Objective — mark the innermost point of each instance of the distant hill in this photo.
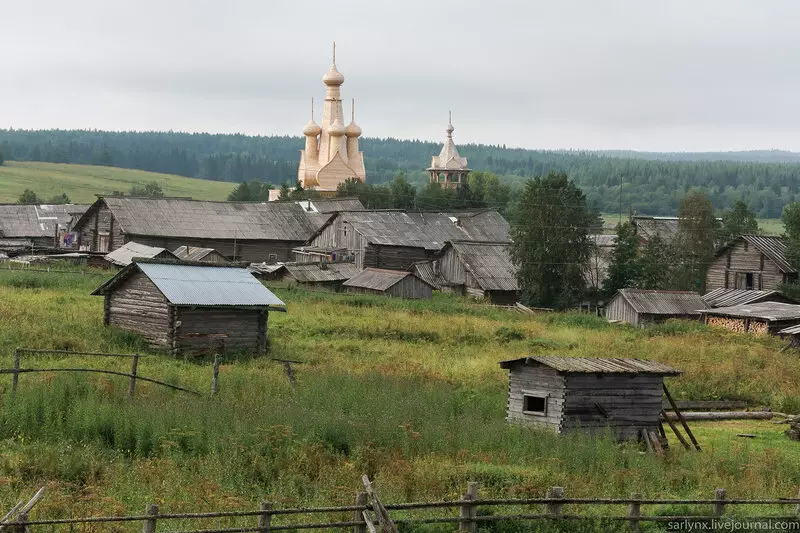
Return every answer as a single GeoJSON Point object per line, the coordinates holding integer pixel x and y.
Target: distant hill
{"type": "Point", "coordinates": [651, 182]}
{"type": "Point", "coordinates": [82, 182]}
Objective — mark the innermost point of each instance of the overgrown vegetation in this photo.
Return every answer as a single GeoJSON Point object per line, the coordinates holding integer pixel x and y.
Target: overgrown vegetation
{"type": "Point", "coordinates": [406, 391]}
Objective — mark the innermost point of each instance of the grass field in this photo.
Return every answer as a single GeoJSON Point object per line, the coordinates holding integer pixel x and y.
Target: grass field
{"type": "Point", "coordinates": [82, 182]}
{"type": "Point", "coordinates": [768, 226]}
{"type": "Point", "coordinates": [408, 392]}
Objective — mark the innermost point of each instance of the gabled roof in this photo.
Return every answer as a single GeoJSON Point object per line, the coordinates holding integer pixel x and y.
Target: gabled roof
{"type": "Point", "coordinates": [768, 311]}
{"type": "Point", "coordinates": [180, 217]}
{"type": "Point", "coordinates": [731, 297]}
{"type": "Point", "coordinates": [201, 286]}
{"type": "Point", "coordinates": [424, 270]}
{"type": "Point", "coordinates": [774, 248]}
{"type": "Point", "coordinates": [194, 253]}
{"type": "Point", "coordinates": [663, 302]}
{"type": "Point", "coordinates": [647, 227]}
{"type": "Point", "coordinates": [331, 205]}
{"type": "Point", "coordinates": [489, 263]}
{"type": "Point", "coordinates": [599, 365]}
{"type": "Point", "coordinates": [32, 221]}
{"type": "Point", "coordinates": [378, 279]}
{"type": "Point", "coordinates": [321, 272]}
{"type": "Point", "coordinates": [124, 255]}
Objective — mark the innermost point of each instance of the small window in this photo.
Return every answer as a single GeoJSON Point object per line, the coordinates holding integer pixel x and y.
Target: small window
{"type": "Point", "coordinates": [272, 257]}
{"type": "Point", "coordinates": [534, 404]}
{"type": "Point", "coordinates": [749, 281]}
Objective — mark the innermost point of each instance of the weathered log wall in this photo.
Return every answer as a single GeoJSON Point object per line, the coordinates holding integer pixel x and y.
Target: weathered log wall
{"type": "Point", "coordinates": [729, 270]}
{"type": "Point", "coordinates": [204, 330]}
{"type": "Point", "coordinates": [137, 305]}
{"type": "Point", "coordinates": [539, 381]}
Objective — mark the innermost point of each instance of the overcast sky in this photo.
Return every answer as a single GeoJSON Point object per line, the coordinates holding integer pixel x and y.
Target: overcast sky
{"type": "Point", "coordinates": [673, 75]}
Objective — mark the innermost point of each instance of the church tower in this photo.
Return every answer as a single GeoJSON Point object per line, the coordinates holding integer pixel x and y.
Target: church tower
{"type": "Point", "coordinates": [449, 169]}
{"type": "Point", "coordinates": [331, 153]}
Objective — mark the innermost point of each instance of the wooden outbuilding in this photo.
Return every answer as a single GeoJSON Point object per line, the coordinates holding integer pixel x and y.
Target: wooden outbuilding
{"type": "Point", "coordinates": [38, 226]}
{"type": "Point", "coordinates": [389, 283]}
{"type": "Point", "coordinates": [757, 319]}
{"type": "Point", "coordinates": [125, 254]}
{"type": "Point", "coordinates": [482, 270]}
{"type": "Point", "coordinates": [731, 297]}
{"type": "Point", "coordinates": [642, 307]}
{"type": "Point", "coordinates": [196, 254]}
{"type": "Point", "coordinates": [751, 262]}
{"type": "Point", "coordinates": [329, 276]}
{"type": "Point", "coordinates": [567, 394]}
{"type": "Point", "coordinates": [190, 309]}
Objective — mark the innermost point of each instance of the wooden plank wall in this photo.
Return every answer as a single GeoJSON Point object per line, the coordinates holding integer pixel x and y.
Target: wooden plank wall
{"type": "Point", "coordinates": [619, 309]}
{"type": "Point", "coordinates": [451, 267]}
{"type": "Point", "coordinates": [541, 380]}
{"type": "Point", "coordinates": [254, 251]}
{"type": "Point", "coordinates": [632, 402]}
{"type": "Point", "coordinates": [245, 330]}
{"type": "Point", "coordinates": [729, 269]}
{"type": "Point", "coordinates": [393, 257]}
{"type": "Point", "coordinates": [411, 287]}
{"type": "Point", "coordinates": [340, 234]}
{"type": "Point", "coordinates": [101, 221]}
{"type": "Point", "coordinates": [137, 305]}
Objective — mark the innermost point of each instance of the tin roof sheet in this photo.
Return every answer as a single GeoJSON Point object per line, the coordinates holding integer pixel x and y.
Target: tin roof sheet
{"type": "Point", "coordinates": [124, 255]}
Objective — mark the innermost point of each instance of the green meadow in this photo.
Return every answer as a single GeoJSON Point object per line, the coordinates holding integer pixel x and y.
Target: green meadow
{"type": "Point", "coordinates": [408, 392]}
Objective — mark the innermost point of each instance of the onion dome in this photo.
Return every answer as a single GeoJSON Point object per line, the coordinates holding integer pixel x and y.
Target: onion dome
{"type": "Point", "coordinates": [333, 77]}
{"type": "Point", "coordinates": [450, 129]}
{"type": "Point", "coordinates": [337, 128]}
{"type": "Point", "coordinates": [352, 129]}
{"type": "Point", "coordinates": [312, 129]}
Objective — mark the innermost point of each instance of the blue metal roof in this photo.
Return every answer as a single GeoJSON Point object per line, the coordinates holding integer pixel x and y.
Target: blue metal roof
{"type": "Point", "coordinates": [209, 285]}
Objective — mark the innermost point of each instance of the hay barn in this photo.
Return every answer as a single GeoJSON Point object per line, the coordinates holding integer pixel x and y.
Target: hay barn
{"type": "Point", "coordinates": [751, 262]}
{"type": "Point", "coordinates": [567, 394]}
{"type": "Point", "coordinates": [642, 307]}
{"type": "Point", "coordinates": [190, 309]}
{"type": "Point", "coordinates": [757, 319]}
{"type": "Point", "coordinates": [388, 283]}
{"type": "Point", "coordinates": [482, 269]}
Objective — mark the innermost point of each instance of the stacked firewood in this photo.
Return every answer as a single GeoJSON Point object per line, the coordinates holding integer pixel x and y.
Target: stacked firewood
{"type": "Point", "coordinates": [733, 324]}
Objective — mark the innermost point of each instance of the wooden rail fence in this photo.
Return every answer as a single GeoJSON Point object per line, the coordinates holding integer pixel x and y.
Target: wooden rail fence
{"type": "Point", "coordinates": [368, 514]}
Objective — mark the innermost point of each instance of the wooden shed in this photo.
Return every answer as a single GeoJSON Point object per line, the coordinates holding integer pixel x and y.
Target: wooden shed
{"type": "Point", "coordinates": [757, 319]}
{"type": "Point", "coordinates": [197, 254]}
{"type": "Point", "coordinates": [483, 269]}
{"type": "Point", "coordinates": [389, 283]}
{"type": "Point", "coordinates": [190, 309]}
{"type": "Point", "coordinates": [328, 276]}
{"type": "Point", "coordinates": [751, 262]}
{"type": "Point", "coordinates": [125, 254]}
{"type": "Point", "coordinates": [642, 307]}
{"type": "Point", "coordinates": [567, 394]}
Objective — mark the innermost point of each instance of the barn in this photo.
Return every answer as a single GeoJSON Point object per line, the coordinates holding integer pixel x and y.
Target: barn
{"type": "Point", "coordinates": [190, 309]}
{"type": "Point", "coordinates": [751, 262]}
{"type": "Point", "coordinates": [482, 269]}
{"type": "Point", "coordinates": [641, 307]}
{"type": "Point", "coordinates": [567, 394]}
{"type": "Point", "coordinates": [241, 231]}
{"type": "Point", "coordinates": [389, 283]}
{"type": "Point", "coordinates": [125, 254]}
{"type": "Point", "coordinates": [757, 319]}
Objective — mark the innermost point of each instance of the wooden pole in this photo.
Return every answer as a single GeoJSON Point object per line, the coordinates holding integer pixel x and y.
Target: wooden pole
{"type": "Point", "coordinates": [358, 515]}
{"type": "Point", "coordinates": [150, 523]}
{"type": "Point", "coordinates": [468, 510]}
{"type": "Point", "coordinates": [797, 508]}
{"type": "Point", "coordinates": [680, 417]}
{"type": "Point", "coordinates": [675, 430]}
{"type": "Point", "coordinates": [719, 506]}
{"type": "Point", "coordinates": [635, 512]}
{"type": "Point", "coordinates": [265, 518]}
{"type": "Point", "coordinates": [15, 376]}
{"type": "Point", "coordinates": [215, 377]}
{"type": "Point", "coordinates": [555, 493]}
{"type": "Point", "coordinates": [22, 519]}
{"type": "Point", "coordinates": [132, 384]}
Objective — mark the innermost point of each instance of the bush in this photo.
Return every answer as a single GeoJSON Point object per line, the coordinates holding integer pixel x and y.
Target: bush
{"type": "Point", "coordinates": [506, 334]}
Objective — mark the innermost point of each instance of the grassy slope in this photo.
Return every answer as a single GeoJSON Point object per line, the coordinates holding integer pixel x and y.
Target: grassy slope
{"type": "Point", "coordinates": [83, 182]}
{"type": "Point", "coordinates": [409, 392]}
{"type": "Point", "coordinates": [768, 226]}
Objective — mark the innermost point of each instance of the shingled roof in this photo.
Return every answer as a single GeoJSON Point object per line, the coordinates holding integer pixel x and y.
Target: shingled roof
{"type": "Point", "coordinates": [180, 217]}
{"type": "Point", "coordinates": [32, 221]}
{"type": "Point", "coordinates": [489, 263]}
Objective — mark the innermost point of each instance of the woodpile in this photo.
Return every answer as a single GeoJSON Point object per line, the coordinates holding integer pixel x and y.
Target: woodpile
{"type": "Point", "coordinates": [733, 324]}
{"type": "Point", "coordinates": [758, 328]}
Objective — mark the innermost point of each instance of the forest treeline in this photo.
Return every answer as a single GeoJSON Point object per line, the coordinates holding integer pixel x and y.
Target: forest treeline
{"type": "Point", "coordinates": [651, 183]}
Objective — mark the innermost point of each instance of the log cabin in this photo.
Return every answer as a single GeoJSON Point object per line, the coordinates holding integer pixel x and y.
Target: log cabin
{"type": "Point", "coordinates": [241, 231]}
{"type": "Point", "coordinates": [568, 394]}
{"type": "Point", "coordinates": [751, 262]}
{"type": "Point", "coordinates": [190, 309]}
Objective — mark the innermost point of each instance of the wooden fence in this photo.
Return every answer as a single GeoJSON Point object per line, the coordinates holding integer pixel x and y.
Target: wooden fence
{"type": "Point", "coordinates": [368, 514]}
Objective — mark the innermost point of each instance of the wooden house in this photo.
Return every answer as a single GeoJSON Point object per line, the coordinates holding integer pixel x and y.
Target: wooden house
{"type": "Point", "coordinates": [388, 283]}
{"type": "Point", "coordinates": [757, 318]}
{"type": "Point", "coordinates": [241, 231]}
{"type": "Point", "coordinates": [429, 272]}
{"type": "Point", "coordinates": [125, 254]}
{"type": "Point", "coordinates": [195, 254]}
{"type": "Point", "coordinates": [567, 394]}
{"type": "Point", "coordinates": [751, 262]}
{"type": "Point", "coordinates": [37, 226]}
{"type": "Point", "coordinates": [190, 309]}
{"type": "Point", "coordinates": [647, 227]}
{"type": "Point", "coordinates": [596, 270]}
{"type": "Point", "coordinates": [731, 297]}
{"type": "Point", "coordinates": [397, 239]}
{"type": "Point", "coordinates": [482, 269]}
{"type": "Point", "coordinates": [642, 307]}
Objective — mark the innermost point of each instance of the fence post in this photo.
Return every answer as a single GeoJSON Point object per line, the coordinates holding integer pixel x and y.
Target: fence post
{"type": "Point", "coordinates": [719, 506]}
{"type": "Point", "coordinates": [358, 515]}
{"type": "Point", "coordinates": [555, 493]}
{"type": "Point", "coordinates": [215, 377]}
{"type": "Point", "coordinates": [132, 385]}
{"type": "Point", "coordinates": [797, 508]}
{"type": "Point", "coordinates": [150, 523]}
{"type": "Point", "coordinates": [635, 511]}
{"type": "Point", "coordinates": [22, 519]}
{"type": "Point", "coordinates": [468, 510]}
{"type": "Point", "coordinates": [15, 375]}
{"type": "Point", "coordinates": [265, 518]}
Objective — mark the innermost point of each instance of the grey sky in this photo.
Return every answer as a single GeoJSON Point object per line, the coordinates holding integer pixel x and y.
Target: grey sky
{"type": "Point", "coordinates": [640, 74]}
